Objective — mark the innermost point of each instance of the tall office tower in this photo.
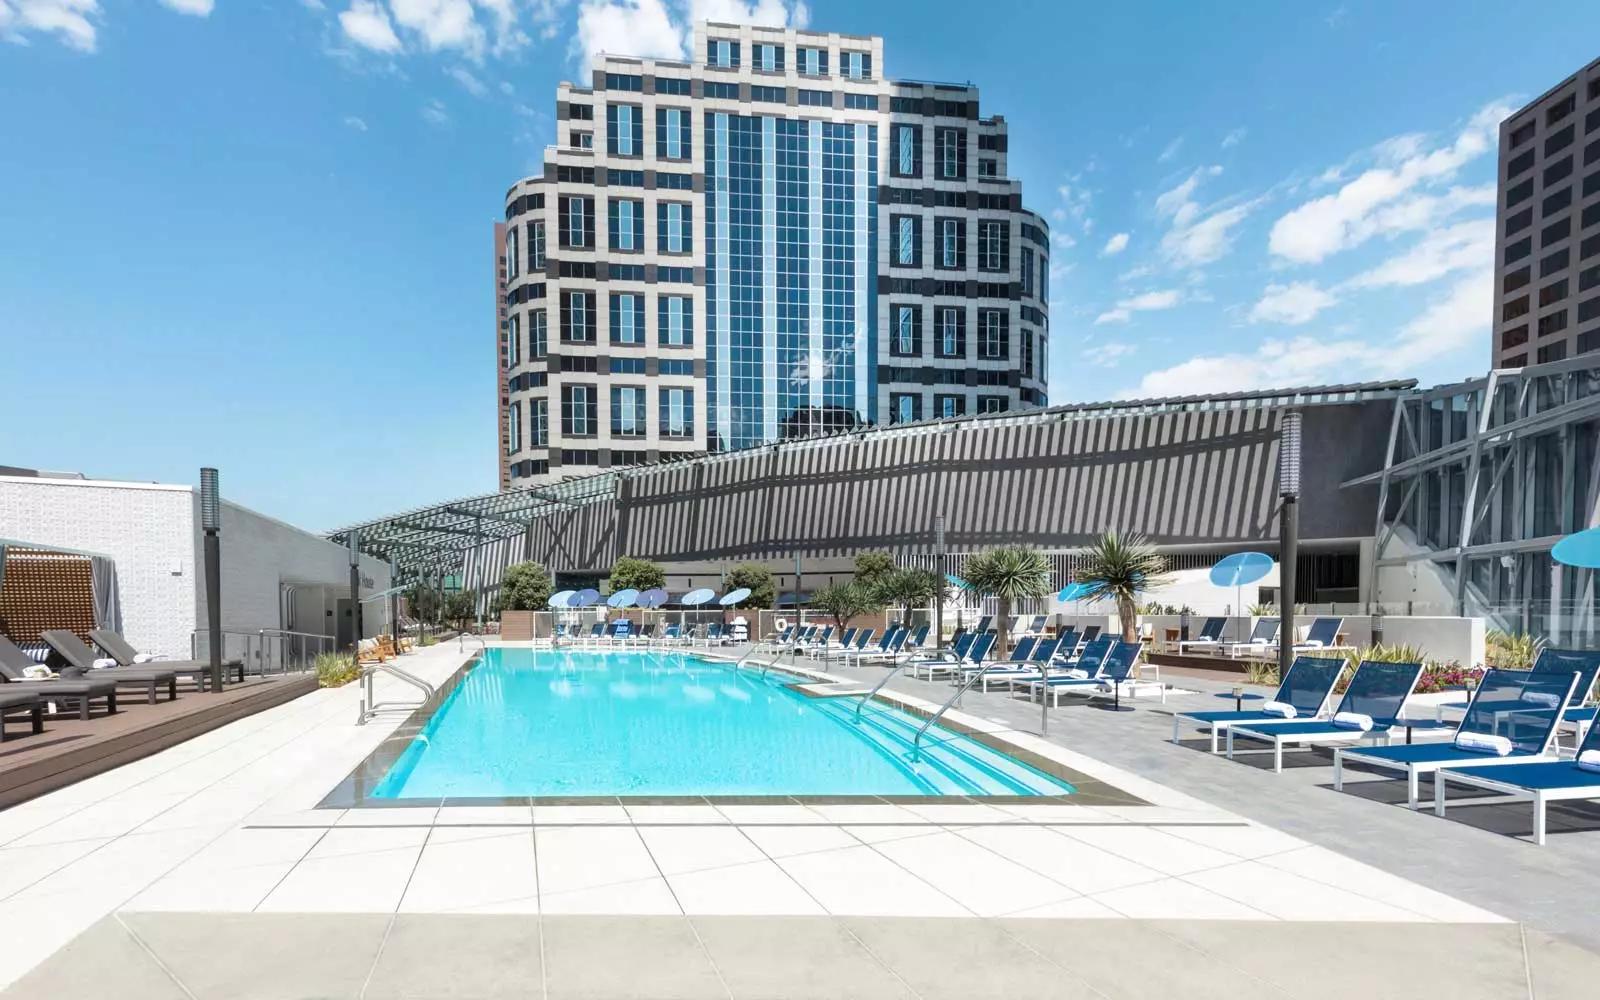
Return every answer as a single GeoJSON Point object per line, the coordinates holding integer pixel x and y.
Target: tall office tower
{"type": "Point", "coordinates": [1547, 248]}
{"type": "Point", "coordinates": [510, 428]}
{"type": "Point", "coordinates": [767, 242]}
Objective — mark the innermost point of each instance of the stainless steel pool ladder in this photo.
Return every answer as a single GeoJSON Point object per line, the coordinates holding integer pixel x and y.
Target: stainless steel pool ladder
{"type": "Point", "coordinates": [370, 707]}
{"type": "Point", "coordinates": [461, 641]}
{"type": "Point", "coordinates": [893, 669]}
{"type": "Point", "coordinates": [794, 651]}
{"type": "Point", "coordinates": [916, 741]}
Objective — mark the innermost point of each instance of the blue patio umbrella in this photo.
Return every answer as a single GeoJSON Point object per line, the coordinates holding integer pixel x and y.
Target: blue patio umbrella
{"type": "Point", "coordinates": [1239, 569]}
{"type": "Point", "coordinates": [560, 600]}
{"type": "Point", "coordinates": [1581, 549]}
{"type": "Point", "coordinates": [956, 580]}
{"type": "Point", "coordinates": [695, 598]}
{"type": "Point", "coordinates": [1074, 592]}
{"type": "Point", "coordinates": [733, 597]}
{"type": "Point", "coordinates": [625, 598]}
{"type": "Point", "coordinates": [584, 598]}
{"type": "Point", "coordinates": [652, 598]}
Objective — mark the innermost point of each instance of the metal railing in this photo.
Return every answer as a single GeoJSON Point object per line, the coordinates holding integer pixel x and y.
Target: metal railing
{"type": "Point", "coordinates": [265, 651]}
{"type": "Point", "coordinates": [370, 706]}
{"type": "Point", "coordinates": [870, 695]}
{"type": "Point", "coordinates": [916, 741]}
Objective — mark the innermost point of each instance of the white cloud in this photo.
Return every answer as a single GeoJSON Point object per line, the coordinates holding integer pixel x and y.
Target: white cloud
{"type": "Point", "coordinates": [470, 83]}
{"type": "Point", "coordinates": [1198, 235]}
{"type": "Point", "coordinates": [1115, 245]}
{"type": "Point", "coordinates": [196, 8]}
{"type": "Point", "coordinates": [1171, 150]}
{"type": "Point", "coordinates": [367, 24]}
{"type": "Point", "coordinates": [434, 113]}
{"type": "Point", "coordinates": [1295, 304]}
{"type": "Point", "coordinates": [441, 24]}
{"type": "Point", "coordinates": [1063, 240]}
{"type": "Point", "coordinates": [356, 123]}
{"type": "Point", "coordinates": [1459, 247]}
{"type": "Point", "coordinates": [1233, 138]}
{"type": "Point", "coordinates": [651, 28]}
{"type": "Point", "coordinates": [507, 89]}
{"type": "Point", "coordinates": [1107, 355]}
{"type": "Point", "coordinates": [1148, 302]}
{"type": "Point", "coordinates": [71, 20]}
{"type": "Point", "coordinates": [1385, 199]}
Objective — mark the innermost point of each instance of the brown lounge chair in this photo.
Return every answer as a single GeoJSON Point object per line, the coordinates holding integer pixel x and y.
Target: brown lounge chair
{"type": "Point", "coordinates": [13, 703]}
{"type": "Point", "coordinates": [13, 661]}
{"type": "Point", "coordinates": [81, 658]}
{"type": "Point", "coordinates": [121, 650]}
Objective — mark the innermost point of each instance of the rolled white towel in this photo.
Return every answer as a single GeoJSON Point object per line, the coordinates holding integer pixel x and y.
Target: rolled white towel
{"type": "Point", "coordinates": [1589, 760]}
{"type": "Point", "coordinates": [1312, 644]}
{"type": "Point", "coordinates": [104, 663]}
{"type": "Point", "coordinates": [1077, 674]}
{"type": "Point", "coordinates": [1353, 720]}
{"type": "Point", "coordinates": [1279, 708]}
{"type": "Point", "coordinates": [38, 672]}
{"type": "Point", "coordinates": [147, 657]}
{"type": "Point", "coordinates": [1484, 743]}
{"type": "Point", "coordinates": [1545, 699]}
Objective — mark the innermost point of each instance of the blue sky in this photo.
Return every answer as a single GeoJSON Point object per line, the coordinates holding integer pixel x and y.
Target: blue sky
{"type": "Point", "coordinates": [258, 235]}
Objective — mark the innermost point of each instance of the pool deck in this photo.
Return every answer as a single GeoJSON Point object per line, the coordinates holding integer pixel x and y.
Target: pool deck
{"type": "Point", "coordinates": [206, 870]}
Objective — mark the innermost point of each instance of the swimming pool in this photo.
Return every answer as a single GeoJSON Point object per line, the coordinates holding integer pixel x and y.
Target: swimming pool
{"type": "Point", "coordinates": [659, 723]}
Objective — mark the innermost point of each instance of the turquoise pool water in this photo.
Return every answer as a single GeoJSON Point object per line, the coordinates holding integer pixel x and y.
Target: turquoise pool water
{"type": "Point", "coordinates": [647, 722]}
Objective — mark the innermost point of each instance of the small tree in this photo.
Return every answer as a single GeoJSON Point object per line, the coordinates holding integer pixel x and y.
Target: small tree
{"type": "Point", "coordinates": [910, 588]}
{"type": "Point", "coordinates": [872, 567]}
{"type": "Point", "coordinates": [525, 586]}
{"type": "Point", "coordinates": [1121, 567]}
{"type": "Point", "coordinates": [461, 606]}
{"type": "Point", "coordinates": [1011, 575]}
{"type": "Point", "coordinates": [422, 602]}
{"type": "Point", "coordinates": [763, 587]}
{"type": "Point", "coordinates": [843, 601]}
{"type": "Point", "coordinates": [637, 574]}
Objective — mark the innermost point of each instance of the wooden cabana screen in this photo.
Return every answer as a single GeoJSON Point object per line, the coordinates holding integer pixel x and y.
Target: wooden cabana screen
{"type": "Point", "coordinates": [41, 590]}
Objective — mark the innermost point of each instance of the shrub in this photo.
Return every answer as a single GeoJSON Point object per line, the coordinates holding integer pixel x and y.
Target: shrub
{"type": "Point", "coordinates": [525, 586]}
{"type": "Point", "coordinates": [428, 640]}
{"type": "Point", "coordinates": [1512, 650]}
{"type": "Point", "coordinates": [637, 574]}
{"type": "Point", "coordinates": [336, 669]}
{"type": "Point", "coordinates": [757, 577]}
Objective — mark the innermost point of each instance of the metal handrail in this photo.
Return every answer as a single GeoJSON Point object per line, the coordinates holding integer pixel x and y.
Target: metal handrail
{"type": "Point", "coordinates": [916, 741]}
{"type": "Point", "coordinates": [461, 641]}
{"type": "Point", "coordinates": [371, 707]}
{"type": "Point", "coordinates": [875, 688]}
{"type": "Point", "coordinates": [794, 651]}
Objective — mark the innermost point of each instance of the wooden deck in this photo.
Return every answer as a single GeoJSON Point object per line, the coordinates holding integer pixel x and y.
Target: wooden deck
{"type": "Point", "coordinates": [70, 750]}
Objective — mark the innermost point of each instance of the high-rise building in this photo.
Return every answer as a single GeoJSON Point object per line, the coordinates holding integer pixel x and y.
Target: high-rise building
{"type": "Point", "coordinates": [769, 241]}
{"type": "Point", "coordinates": [1547, 245]}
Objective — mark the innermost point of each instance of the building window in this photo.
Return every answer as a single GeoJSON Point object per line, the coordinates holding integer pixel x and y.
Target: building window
{"type": "Point", "coordinates": [952, 244]}
{"type": "Point", "coordinates": [539, 423]}
{"type": "Point", "coordinates": [1522, 133]}
{"type": "Point", "coordinates": [948, 406]}
{"type": "Point", "coordinates": [1514, 337]}
{"type": "Point", "coordinates": [512, 260]}
{"type": "Point", "coordinates": [1027, 271]}
{"type": "Point", "coordinates": [907, 231]}
{"type": "Point", "coordinates": [856, 65]}
{"type": "Point", "coordinates": [514, 341]}
{"type": "Point", "coordinates": [577, 317]}
{"type": "Point", "coordinates": [1553, 323]}
{"type": "Point", "coordinates": [580, 140]}
{"type": "Point", "coordinates": [815, 98]}
{"type": "Point", "coordinates": [994, 245]}
{"type": "Point", "coordinates": [1026, 341]}
{"type": "Point", "coordinates": [624, 130]}
{"type": "Point", "coordinates": [1044, 278]}
{"type": "Point", "coordinates": [952, 332]}
{"type": "Point", "coordinates": [1553, 352]}
{"type": "Point", "coordinates": [1555, 232]}
{"type": "Point", "coordinates": [1516, 307]}
{"type": "Point", "coordinates": [769, 95]}
{"type": "Point", "coordinates": [538, 334]}
{"type": "Point", "coordinates": [906, 326]}
{"type": "Point", "coordinates": [994, 336]}
{"type": "Point", "coordinates": [677, 413]}
{"type": "Point", "coordinates": [577, 222]}
{"type": "Point", "coordinates": [988, 167]}
{"type": "Point", "coordinates": [627, 411]}
{"type": "Point", "coordinates": [578, 411]}
{"type": "Point", "coordinates": [768, 57]}
{"type": "Point", "coordinates": [905, 406]}
{"type": "Point", "coordinates": [676, 321]}
{"type": "Point", "coordinates": [514, 429]}
{"type": "Point", "coordinates": [861, 102]}
{"type": "Point", "coordinates": [627, 318]}
{"type": "Point", "coordinates": [950, 153]}
{"type": "Point", "coordinates": [674, 222]}
{"type": "Point", "coordinates": [722, 53]}
{"type": "Point", "coordinates": [993, 404]}
{"type": "Point", "coordinates": [811, 62]}
{"type": "Point", "coordinates": [536, 246]}
{"type": "Point", "coordinates": [626, 228]}
{"type": "Point", "coordinates": [907, 150]}
{"type": "Point", "coordinates": [673, 141]}
{"type": "Point", "coordinates": [1552, 293]}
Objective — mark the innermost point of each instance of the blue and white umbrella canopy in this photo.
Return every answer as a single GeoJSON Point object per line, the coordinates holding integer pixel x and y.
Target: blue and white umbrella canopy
{"type": "Point", "coordinates": [1581, 549]}
{"type": "Point", "coordinates": [698, 597]}
{"type": "Point", "coordinates": [625, 598]}
{"type": "Point", "coordinates": [733, 597]}
{"type": "Point", "coordinates": [584, 598]}
{"type": "Point", "coordinates": [652, 598]}
{"type": "Point", "coordinates": [956, 580]}
{"type": "Point", "coordinates": [1074, 592]}
{"type": "Point", "coordinates": [1240, 569]}
{"type": "Point", "coordinates": [560, 600]}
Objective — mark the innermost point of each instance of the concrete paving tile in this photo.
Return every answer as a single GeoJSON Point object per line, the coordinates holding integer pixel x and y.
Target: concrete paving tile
{"type": "Point", "coordinates": [103, 961]}
{"type": "Point", "coordinates": [964, 960]}
{"type": "Point", "coordinates": [288, 957]}
{"type": "Point", "coordinates": [758, 889]}
{"type": "Point", "coordinates": [984, 882]}
{"type": "Point", "coordinates": [459, 957]}
{"type": "Point", "coordinates": [1559, 969]}
{"type": "Point", "coordinates": [859, 880]}
{"type": "Point", "coordinates": [475, 868]}
{"type": "Point", "coordinates": [681, 849]}
{"type": "Point", "coordinates": [786, 841]}
{"type": "Point", "coordinates": [620, 958]}
{"type": "Point", "coordinates": [644, 897]}
{"type": "Point", "coordinates": [780, 958]}
{"type": "Point", "coordinates": [1289, 897]}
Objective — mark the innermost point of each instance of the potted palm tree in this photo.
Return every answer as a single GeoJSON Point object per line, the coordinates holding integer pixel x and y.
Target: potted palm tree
{"type": "Point", "coordinates": [1009, 575]}
{"type": "Point", "coordinates": [1121, 567]}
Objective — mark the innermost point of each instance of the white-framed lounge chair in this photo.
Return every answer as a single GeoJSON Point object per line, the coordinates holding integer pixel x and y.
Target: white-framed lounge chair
{"type": "Point", "coordinates": [1540, 782]}
{"type": "Point", "coordinates": [863, 637]}
{"type": "Point", "coordinates": [1021, 653]}
{"type": "Point", "coordinates": [974, 655]}
{"type": "Point", "coordinates": [890, 650]}
{"type": "Point", "coordinates": [1368, 710]}
{"type": "Point", "coordinates": [915, 640]}
{"type": "Point", "coordinates": [1323, 634]}
{"type": "Point", "coordinates": [1304, 691]}
{"type": "Point", "coordinates": [1026, 668]}
{"type": "Point", "coordinates": [1512, 720]}
{"type": "Point", "coordinates": [1263, 639]}
{"type": "Point", "coordinates": [1113, 671]}
{"type": "Point", "coordinates": [1210, 635]}
{"type": "Point", "coordinates": [1584, 662]}
{"type": "Point", "coordinates": [957, 650]}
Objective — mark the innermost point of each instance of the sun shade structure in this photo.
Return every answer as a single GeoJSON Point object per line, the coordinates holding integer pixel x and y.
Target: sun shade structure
{"type": "Point", "coordinates": [1241, 568]}
{"type": "Point", "coordinates": [1581, 550]}
{"type": "Point", "coordinates": [1071, 592]}
{"type": "Point", "coordinates": [733, 597]}
{"type": "Point", "coordinates": [652, 598]}
{"type": "Point", "coordinates": [584, 599]}
{"type": "Point", "coordinates": [694, 598]}
{"type": "Point", "coordinates": [623, 598]}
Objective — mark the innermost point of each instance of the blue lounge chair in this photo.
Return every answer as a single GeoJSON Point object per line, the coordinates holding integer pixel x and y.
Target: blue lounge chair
{"type": "Point", "coordinates": [1263, 638]}
{"type": "Point", "coordinates": [889, 649]}
{"type": "Point", "coordinates": [957, 650]}
{"type": "Point", "coordinates": [824, 646]}
{"type": "Point", "coordinates": [1111, 671]}
{"type": "Point", "coordinates": [1091, 633]}
{"type": "Point", "coordinates": [1210, 635]}
{"type": "Point", "coordinates": [863, 636]}
{"type": "Point", "coordinates": [1323, 634]}
{"type": "Point", "coordinates": [917, 638]}
{"type": "Point", "coordinates": [1021, 652]}
{"type": "Point", "coordinates": [1541, 782]}
{"type": "Point", "coordinates": [1586, 663]}
{"type": "Point", "coordinates": [1305, 687]}
{"type": "Point", "coordinates": [671, 634]}
{"type": "Point", "coordinates": [1023, 668]}
{"type": "Point", "coordinates": [1376, 694]}
{"type": "Point", "coordinates": [976, 653]}
{"type": "Point", "coordinates": [620, 630]}
{"type": "Point", "coordinates": [1518, 707]}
